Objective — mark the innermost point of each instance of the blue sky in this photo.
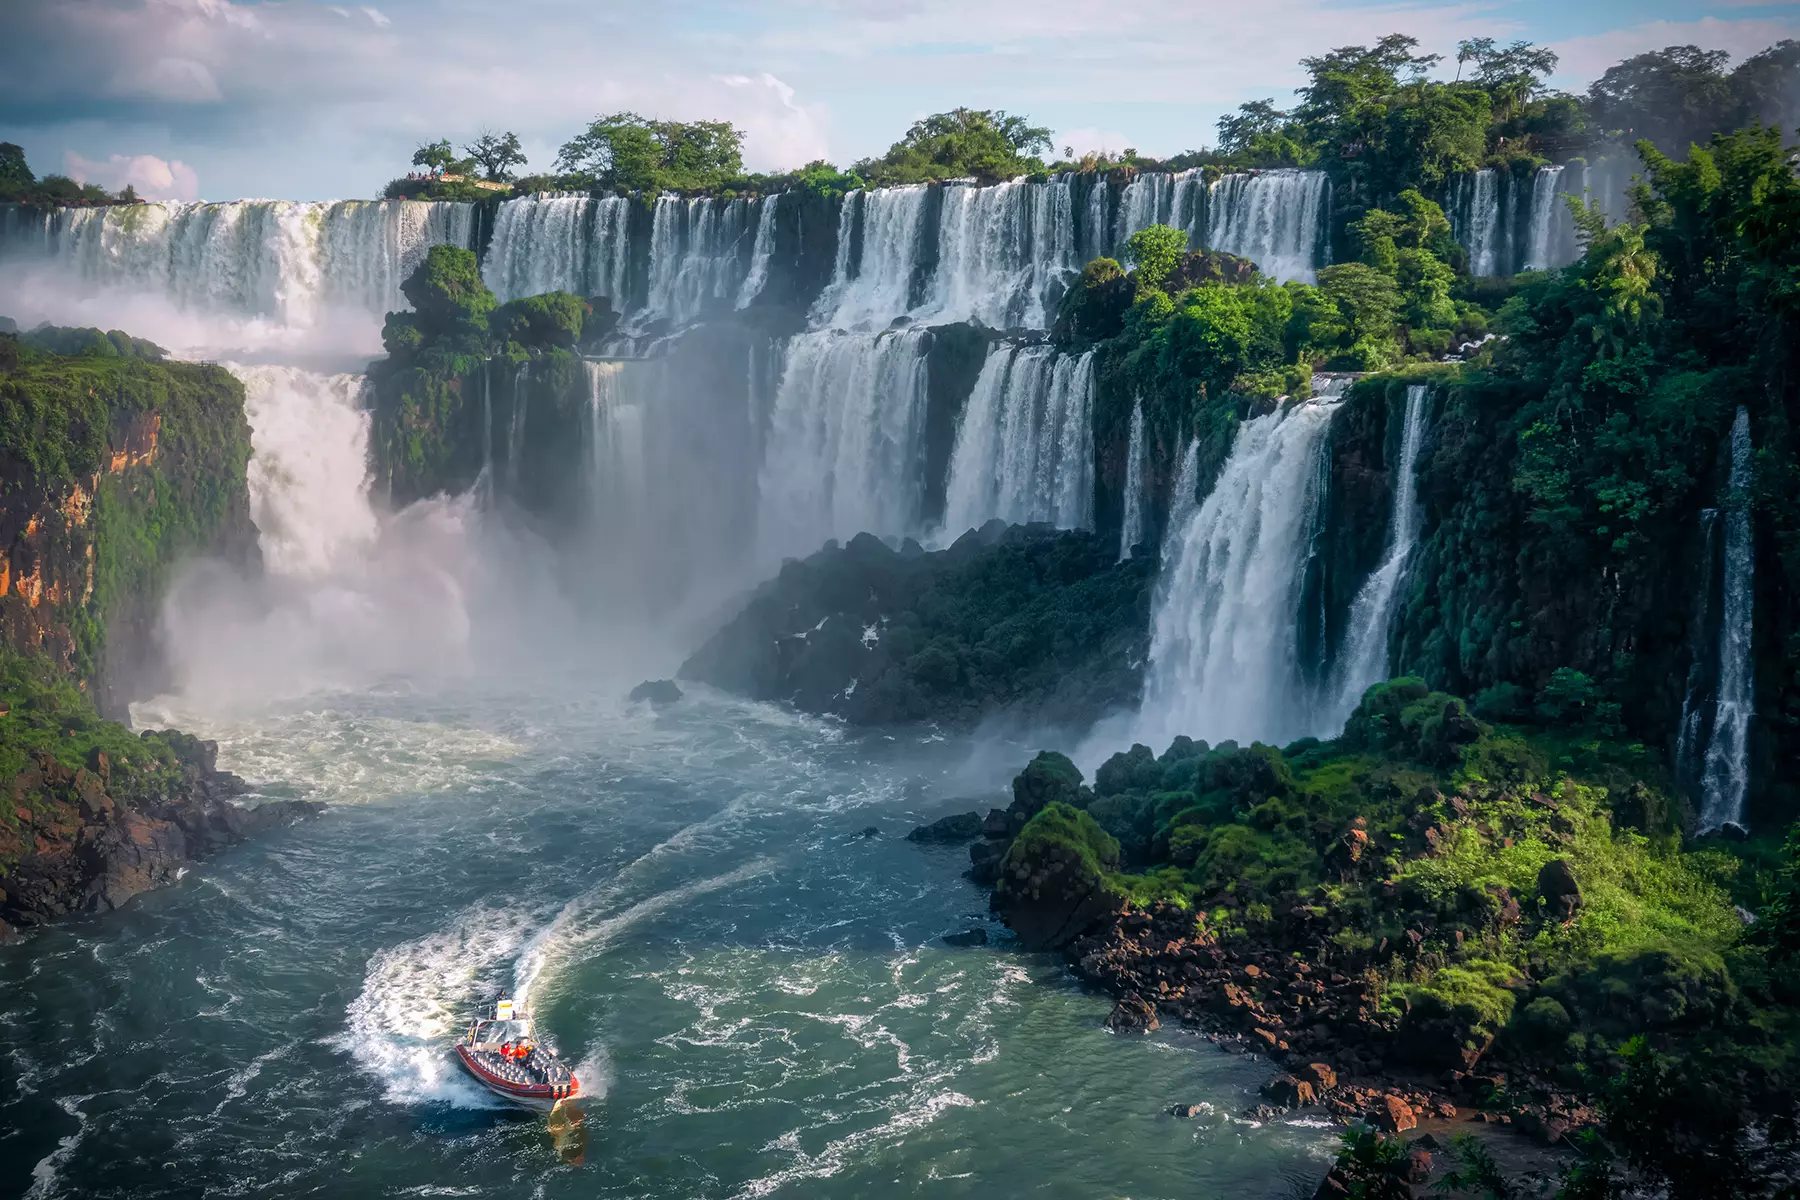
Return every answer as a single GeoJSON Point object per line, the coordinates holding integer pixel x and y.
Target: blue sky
{"type": "Point", "coordinates": [217, 99]}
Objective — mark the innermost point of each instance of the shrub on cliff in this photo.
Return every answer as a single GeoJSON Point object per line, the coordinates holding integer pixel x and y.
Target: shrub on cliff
{"type": "Point", "coordinates": [448, 295]}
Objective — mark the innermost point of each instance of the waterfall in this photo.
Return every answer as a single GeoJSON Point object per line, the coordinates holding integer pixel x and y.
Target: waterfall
{"type": "Point", "coordinates": [845, 451]}
{"type": "Point", "coordinates": [616, 446]}
{"type": "Point", "coordinates": [308, 473]}
{"type": "Point", "coordinates": [1146, 201]}
{"type": "Point", "coordinates": [1274, 218]}
{"type": "Point", "coordinates": [1024, 451]}
{"type": "Point", "coordinates": [1131, 528]}
{"type": "Point", "coordinates": [552, 243]}
{"type": "Point", "coordinates": [515, 437]}
{"type": "Point", "coordinates": [1098, 242]}
{"type": "Point", "coordinates": [1726, 772]}
{"type": "Point", "coordinates": [1364, 658]}
{"type": "Point", "coordinates": [1182, 501]}
{"type": "Point", "coordinates": [875, 286]}
{"type": "Point", "coordinates": [274, 259]}
{"type": "Point", "coordinates": [1224, 651]}
{"type": "Point", "coordinates": [696, 255]}
{"type": "Point", "coordinates": [1005, 253]}
{"type": "Point", "coordinates": [761, 252]}
{"type": "Point", "coordinates": [1476, 219]}
{"type": "Point", "coordinates": [487, 434]}
{"type": "Point", "coordinates": [1545, 205]}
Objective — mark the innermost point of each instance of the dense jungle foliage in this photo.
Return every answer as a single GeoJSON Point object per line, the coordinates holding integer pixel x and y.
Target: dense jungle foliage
{"type": "Point", "coordinates": [1516, 896]}
{"type": "Point", "coordinates": [459, 366]}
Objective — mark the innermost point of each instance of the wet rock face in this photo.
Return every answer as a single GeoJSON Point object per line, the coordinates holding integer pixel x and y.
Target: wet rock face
{"type": "Point", "coordinates": [83, 845]}
{"type": "Point", "coordinates": [1024, 621]}
{"type": "Point", "coordinates": [657, 692]}
{"type": "Point", "coordinates": [958, 827]}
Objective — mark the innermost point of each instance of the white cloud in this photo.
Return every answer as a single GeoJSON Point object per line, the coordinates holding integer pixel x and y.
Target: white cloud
{"type": "Point", "coordinates": [778, 133]}
{"type": "Point", "coordinates": [380, 18]}
{"type": "Point", "coordinates": [153, 177]}
{"type": "Point", "coordinates": [1585, 59]}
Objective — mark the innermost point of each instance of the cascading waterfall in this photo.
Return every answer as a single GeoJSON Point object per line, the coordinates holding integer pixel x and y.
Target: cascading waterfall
{"type": "Point", "coordinates": [1131, 528]}
{"type": "Point", "coordinates": [273, 259]}
{"type": "Point", "coordinates": [1545, 207]}
{"type": "Point", "coordinates": [550, 243]}
{"type": "Point", "coordinates": [1725, 778]}
{"type": "Point", "coordinates": [1025, 448]}
{"type": "Point", "coordinates": [1004, 253]}
{"type": "Point", "coordinates": [696, 255]}
{"type": "Point", "coordinates": [761, 251]}
{"type": "Point", "coordinates": [1274, 218]}
{"type": "Point", "coordinates": [845, 451]}
{"type": "Point", "coordinates": [515, 437]}
{"type": "Point", "coordinates": [1363, 660]}
{"type": "Point", "coordinates": [616, 446]}
{"type": "Point", "coordinates": [1224, 659]}
{"type": "Point", "coordinates": [877, 285]}
{"type": "Point", "coordinates": [1477, 221]}
{"type": "Point", "coordinates": [308, 476]}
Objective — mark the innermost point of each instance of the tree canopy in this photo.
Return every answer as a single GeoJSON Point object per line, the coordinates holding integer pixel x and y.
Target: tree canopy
{"type": "Point", "coordinates": [986, 144]}
{"type": "Point", "coordinates": [637, 153]}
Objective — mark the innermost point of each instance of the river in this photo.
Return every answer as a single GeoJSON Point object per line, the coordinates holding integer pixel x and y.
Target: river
{"type": "Point", "coordinates": [751, 985]}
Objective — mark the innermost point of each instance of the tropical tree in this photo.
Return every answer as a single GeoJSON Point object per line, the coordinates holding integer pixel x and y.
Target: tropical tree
{"type": "Point", "coordinates": [497, 154]}
{"type": "Point", "coordinates": [626, 150]}
{"type": "Point", "coordinates": [435, 156]}
{"type": "Point", "coordinates": [988, 144]}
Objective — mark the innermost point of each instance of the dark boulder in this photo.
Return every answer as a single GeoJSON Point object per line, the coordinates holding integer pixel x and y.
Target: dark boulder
{"type": "Point", "coordinates": [1052, 885]}
{"type": "Point", "coordinates": [968, 937]}
{"type": "Point", "coordinates": [655, 691]}
{"type": "Point", "coordinates": [1560, 891]}
{"type": "Point", "coordinates": [958, 827]}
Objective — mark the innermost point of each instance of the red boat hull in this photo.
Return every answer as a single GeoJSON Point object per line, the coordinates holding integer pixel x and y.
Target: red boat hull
{"type": "Point", "coordinates": [529, 1095]}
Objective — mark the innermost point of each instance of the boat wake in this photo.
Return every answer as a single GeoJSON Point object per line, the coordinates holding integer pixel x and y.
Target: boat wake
{"type": "Point", "coordinates": [415, 1001]}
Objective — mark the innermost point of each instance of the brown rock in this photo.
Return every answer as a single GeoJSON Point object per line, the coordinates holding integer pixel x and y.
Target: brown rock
{"type": "Point", "coordinates": [1320, 1075]}
{"type": "Point", "coordinates": [1394, 1114]}
{"type": "Point", "coordinates": [1132, 1014]}
{"type": "Point", "coordinates": [1289, 1091]}
{"type": "Point", "coordinates": [1418, 1166]}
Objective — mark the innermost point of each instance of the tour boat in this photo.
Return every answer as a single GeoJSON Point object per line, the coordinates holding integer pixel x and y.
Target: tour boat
{"type": "Point", "coordinates": [502, 1051]}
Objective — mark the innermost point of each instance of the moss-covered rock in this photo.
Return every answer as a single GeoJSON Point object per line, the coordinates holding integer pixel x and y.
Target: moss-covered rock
{"type": "Point", "coordinates": [1053, 884]}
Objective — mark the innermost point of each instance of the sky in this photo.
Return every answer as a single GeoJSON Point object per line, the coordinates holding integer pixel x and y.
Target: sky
{"type": "Point", "coordinates": [221, 99]}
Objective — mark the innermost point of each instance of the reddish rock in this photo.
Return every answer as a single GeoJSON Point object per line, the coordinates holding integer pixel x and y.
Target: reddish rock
{"type": "Point", "coordinates": [1395, 1115]}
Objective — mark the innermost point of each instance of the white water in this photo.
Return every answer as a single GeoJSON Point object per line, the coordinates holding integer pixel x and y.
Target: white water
{"type": "Point", "coordinates": [1364, 658]}
{"type": "Point", "coordinates": [1274, 218]}
{"type": "Point", "coordinates": [871, 289]}
{"type": "Point", "coordinates": [1004, 254]}
{"type": "Point", "coordinates": [616, 447]}
{"type": "Point", "coordinates": [1223, 651]}
{"type": "Point", "coordinates": [845, 452]}
{"type": "Point", "coordinates": [349, 595]}
{"type": "Point", "coordinates": [1131, 527]}
{"type": "Point", "coordinates": [696, 255]}
{"type": "Point", "coordinates": [761, 251]}
{"type": "Point", "coordinates": [283, 261]}
{"type": "Point", "coordinates": [1544, 211]}
{"type": "Point", "coordinates": [554, 243]}
{"type": "Point", "coordinates": [308, 476]}
{"type": "Point", "coordinates": [1726, 773]}
{"type": "Point", "coordinates": [1024, 451]}
{"type": "Point", "coordinates": [1475, 210]}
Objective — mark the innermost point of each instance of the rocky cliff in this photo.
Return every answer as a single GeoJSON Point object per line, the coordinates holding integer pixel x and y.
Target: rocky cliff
{"type": "Point", "coordinates": [113, 469]}
{"type": "Point", "coordinates": [1028, 621]}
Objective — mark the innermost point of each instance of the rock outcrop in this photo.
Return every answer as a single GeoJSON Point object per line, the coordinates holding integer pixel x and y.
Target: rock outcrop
{"type": "Point", "coordinates": [87, 839]}
{"type": "Point", "coordinates": [1025, 621]}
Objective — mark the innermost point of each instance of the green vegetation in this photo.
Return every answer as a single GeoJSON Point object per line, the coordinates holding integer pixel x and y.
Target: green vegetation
{"type": "Point", "coordinates": [1046, 624]}
{"type": "Point", "coordinates": [987, 145]}
{"type": "Point", "coordinates": [19, 186]}
{"type": "Point", "coordinates": [436, 387]}
{"type": "Point", "coordinates": [629, 152]}
{"type": "Point", "coordinates": [159, 450]}
{"type": "Point", "coordinates": [1574, 458]}
{"type": "Point", "coordinates": [1487, 885]}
